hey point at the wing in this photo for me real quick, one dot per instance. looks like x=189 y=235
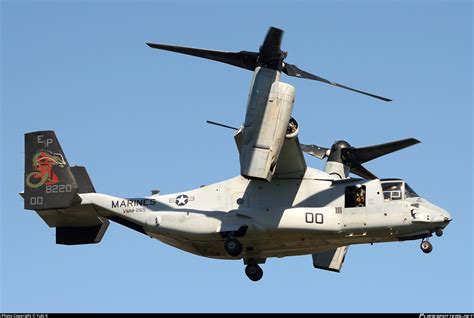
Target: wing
x=290 y=164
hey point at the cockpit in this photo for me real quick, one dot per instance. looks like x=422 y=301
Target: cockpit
x=396 y=189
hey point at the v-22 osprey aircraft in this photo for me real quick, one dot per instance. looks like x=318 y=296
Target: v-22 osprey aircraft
x=276 y=207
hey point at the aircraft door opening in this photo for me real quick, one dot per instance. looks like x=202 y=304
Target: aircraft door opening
x=355 y=210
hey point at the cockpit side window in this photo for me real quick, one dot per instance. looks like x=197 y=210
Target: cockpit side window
x=355 y=196
x=392 y=190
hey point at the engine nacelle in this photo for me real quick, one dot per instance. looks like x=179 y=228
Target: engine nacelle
x=336 y=164
x=266 y=122
x=293 y=129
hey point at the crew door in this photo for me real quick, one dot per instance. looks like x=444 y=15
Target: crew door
x=355 y=210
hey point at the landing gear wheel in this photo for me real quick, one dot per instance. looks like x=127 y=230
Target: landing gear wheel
x=254 y=272
x=233 y=247
x=439 y=232
x=426 y=247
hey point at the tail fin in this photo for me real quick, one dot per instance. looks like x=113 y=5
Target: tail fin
x=49 y=181
x=52 y=187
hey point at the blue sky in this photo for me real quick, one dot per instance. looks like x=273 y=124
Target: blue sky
x=135 y=117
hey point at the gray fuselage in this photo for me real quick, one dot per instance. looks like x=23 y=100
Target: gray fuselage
x=282 y=218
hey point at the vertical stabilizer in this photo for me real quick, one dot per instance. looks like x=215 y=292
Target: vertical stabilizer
x=49 y=181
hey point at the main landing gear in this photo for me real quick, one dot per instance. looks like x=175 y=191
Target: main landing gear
x=254 y=272
x=233 y=247
x=426 y=246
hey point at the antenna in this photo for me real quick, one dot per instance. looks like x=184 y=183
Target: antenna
x=221 y=125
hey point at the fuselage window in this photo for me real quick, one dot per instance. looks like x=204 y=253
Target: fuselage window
x=355 y=196
x=392 y=190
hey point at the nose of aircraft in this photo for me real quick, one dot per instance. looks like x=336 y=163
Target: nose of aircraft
x=440 y=215
x=428 y=212
x=446 y=215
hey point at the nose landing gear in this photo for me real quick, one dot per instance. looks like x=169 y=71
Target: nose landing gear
x=426 y=247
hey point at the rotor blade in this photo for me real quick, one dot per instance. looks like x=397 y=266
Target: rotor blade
x=243 y=59
x=316 y=151
x=364 y=154
x=270 y=49
x=221 y=125
x=293 y=70
x=362 y=172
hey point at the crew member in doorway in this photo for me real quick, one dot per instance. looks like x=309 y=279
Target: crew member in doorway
x=359 y=197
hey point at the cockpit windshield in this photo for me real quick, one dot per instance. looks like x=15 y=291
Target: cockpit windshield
x=397 y=190
x=409 y=192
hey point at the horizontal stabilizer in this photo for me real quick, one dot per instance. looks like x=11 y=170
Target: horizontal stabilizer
x=81 y=235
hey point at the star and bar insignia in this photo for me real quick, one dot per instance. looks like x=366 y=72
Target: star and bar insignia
x=182 y=199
